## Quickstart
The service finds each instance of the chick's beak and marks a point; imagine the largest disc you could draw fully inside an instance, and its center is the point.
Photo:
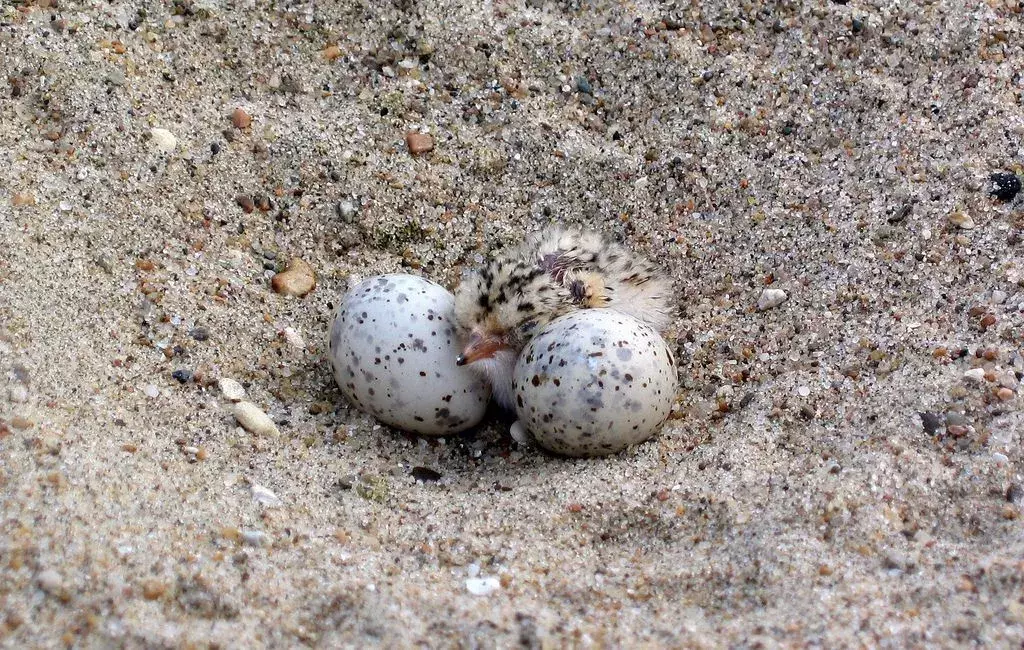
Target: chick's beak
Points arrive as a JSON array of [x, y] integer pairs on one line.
[[480, 346]]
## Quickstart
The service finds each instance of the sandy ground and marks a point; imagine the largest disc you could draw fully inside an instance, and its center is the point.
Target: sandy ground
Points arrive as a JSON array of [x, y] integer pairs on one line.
[[839, 152]]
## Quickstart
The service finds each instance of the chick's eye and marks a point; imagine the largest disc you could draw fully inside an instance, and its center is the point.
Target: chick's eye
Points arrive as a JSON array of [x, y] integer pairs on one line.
[[527, 326]]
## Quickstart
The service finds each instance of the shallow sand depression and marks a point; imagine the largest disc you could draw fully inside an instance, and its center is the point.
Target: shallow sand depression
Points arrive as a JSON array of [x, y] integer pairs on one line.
[[842, 466]]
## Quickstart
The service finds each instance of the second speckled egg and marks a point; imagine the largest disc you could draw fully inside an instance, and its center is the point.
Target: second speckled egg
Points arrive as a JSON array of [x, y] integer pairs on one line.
[[593, 382]]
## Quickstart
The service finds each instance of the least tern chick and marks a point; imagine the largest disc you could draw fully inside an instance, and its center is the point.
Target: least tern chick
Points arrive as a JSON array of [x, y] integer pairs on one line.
[[501, 306]]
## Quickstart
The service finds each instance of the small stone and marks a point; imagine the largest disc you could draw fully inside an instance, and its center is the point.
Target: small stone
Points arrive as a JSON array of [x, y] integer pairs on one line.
[[347, 210], [231, 389], [419, 142], [182, 375], [583, 85], [240, 119], [264, 496], [426, 474], [297, 280], [332, 52], [153, 589], [163, 140], [293, 338], [482, 586], [22, 199], [956, 430], [987, 321], [254, 538], [199, 333], [975, 374], [50, 581], [21, 422], [931, 422], [771, 298], [803, 391], [519, 433], [1005, 185], [998, 297], [1005, 394], [961, 220], [253, 419], [151, 391], [18, 394], [245, 202]]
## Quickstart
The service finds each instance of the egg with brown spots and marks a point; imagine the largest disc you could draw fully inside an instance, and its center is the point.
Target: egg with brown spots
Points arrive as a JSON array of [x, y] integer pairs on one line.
[[393, 346], [593, 382]]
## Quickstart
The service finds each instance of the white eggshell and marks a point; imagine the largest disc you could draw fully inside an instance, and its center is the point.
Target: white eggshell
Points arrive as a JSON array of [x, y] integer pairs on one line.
[[593, 382], [393, 346]]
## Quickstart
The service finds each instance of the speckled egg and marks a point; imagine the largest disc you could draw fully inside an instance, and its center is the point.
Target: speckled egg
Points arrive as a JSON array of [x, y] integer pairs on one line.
[[393, 347], [593, 382]]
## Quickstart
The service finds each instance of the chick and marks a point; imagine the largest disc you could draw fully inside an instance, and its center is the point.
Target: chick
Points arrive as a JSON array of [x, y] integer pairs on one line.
[[501, 306]]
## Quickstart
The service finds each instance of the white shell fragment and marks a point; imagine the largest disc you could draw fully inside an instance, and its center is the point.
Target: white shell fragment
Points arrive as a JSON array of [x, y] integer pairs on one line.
[[253, 419], [393, 347], [593, 382], [163, 140], [231, 389], [482, 586]]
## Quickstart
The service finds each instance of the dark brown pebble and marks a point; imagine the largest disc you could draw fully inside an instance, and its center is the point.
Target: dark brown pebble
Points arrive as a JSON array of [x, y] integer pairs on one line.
[[245, 203]]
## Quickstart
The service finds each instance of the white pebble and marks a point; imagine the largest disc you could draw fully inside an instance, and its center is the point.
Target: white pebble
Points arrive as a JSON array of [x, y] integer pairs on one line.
[[254, 420], [19, 394], [49, 580], [294, 338], [151, 391], [164, 140], [519, 433], [975, 374], [998, 297], [771, 298], [482, 586], [254, 538], [231, 389], [803, 391], [264, 496]]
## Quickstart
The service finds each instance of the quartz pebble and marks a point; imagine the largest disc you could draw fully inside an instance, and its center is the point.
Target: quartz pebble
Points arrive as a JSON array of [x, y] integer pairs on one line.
[[254, 538], [961, 220], [240, 119], [19, 394], [253, 419], [49, 581], [264, 496], [297, 280], [975, 374], [771, 298]]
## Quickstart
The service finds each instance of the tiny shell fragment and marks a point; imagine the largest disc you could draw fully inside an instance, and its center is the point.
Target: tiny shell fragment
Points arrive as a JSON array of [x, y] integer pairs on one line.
[[164, 140], [254, 420], [231, 389]]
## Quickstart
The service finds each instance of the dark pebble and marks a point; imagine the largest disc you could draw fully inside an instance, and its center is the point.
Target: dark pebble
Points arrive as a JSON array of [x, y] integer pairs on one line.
[[931, 422], [246, 203], [199, 333], [183, 375], [263, 202], [1014, 493], [426, 474], [857, 26], [1005, 185], [583, 85], [215, 148]]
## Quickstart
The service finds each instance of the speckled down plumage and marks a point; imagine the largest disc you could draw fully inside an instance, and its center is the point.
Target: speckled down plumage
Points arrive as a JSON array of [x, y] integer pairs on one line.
[[393, 348], [594, 382]]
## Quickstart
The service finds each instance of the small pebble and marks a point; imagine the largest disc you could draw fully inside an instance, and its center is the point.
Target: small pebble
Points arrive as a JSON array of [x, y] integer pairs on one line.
[[18, 394], [240, 119], [255, 538], [151, 391], [931, 422], [21, 422], [803, 391], [253, 419], [1004, 394], [1005, 185], [975, 375], [419, 142], [426, 474], [347, 210], [199, 333], [961, 220], [297, 280], [998, 297], [771, 298], [164, 140], [482, 586], [231, 389], [264, 496], [22, 199], [49, 581], [182, 375], [245, 202], [293, 338]]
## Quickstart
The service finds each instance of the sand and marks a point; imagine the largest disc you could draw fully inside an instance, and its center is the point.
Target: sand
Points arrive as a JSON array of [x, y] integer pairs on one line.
[[837, 152]]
